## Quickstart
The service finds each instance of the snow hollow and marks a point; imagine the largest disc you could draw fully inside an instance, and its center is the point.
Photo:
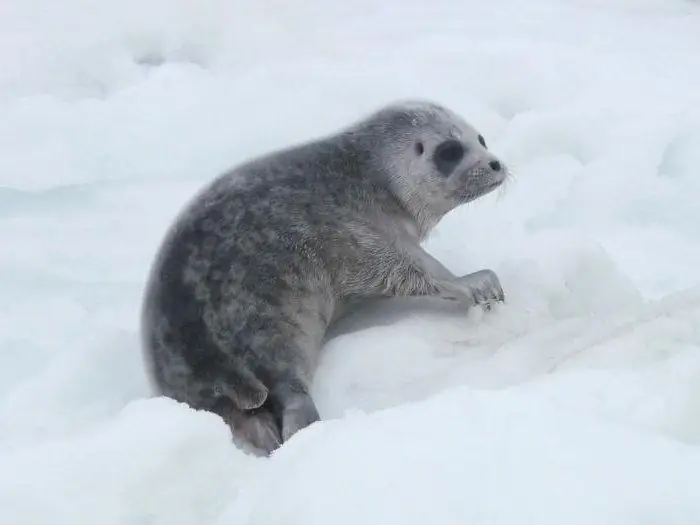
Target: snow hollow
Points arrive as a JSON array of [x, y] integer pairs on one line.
[[578, 402]]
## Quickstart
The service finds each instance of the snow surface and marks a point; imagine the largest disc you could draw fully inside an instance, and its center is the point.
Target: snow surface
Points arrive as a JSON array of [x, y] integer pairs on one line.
[[578, 402]]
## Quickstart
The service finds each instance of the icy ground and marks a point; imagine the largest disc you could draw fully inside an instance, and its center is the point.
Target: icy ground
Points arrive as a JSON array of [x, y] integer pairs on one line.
[[577, 403]]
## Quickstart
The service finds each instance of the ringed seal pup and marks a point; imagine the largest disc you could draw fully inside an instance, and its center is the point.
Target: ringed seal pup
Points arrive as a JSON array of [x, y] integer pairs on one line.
[[267, 255]]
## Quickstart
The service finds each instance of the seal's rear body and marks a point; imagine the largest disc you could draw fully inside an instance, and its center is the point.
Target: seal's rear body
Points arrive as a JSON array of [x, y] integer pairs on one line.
[[245, 285]]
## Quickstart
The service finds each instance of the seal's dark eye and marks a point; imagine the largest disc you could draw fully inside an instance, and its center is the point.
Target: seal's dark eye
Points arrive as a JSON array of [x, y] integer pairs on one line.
[[482, 141], [448, 155], [419, 148]]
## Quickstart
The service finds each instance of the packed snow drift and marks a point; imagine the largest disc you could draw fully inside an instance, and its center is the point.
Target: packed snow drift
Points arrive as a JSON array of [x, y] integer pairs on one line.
[[578, 401]]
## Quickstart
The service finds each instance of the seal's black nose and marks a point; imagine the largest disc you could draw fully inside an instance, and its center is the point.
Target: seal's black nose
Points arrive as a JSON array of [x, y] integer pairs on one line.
[[495, 165]]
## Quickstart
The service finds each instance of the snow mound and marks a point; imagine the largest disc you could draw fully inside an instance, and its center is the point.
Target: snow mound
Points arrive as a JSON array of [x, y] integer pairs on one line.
[[156, 462], [473, 457]]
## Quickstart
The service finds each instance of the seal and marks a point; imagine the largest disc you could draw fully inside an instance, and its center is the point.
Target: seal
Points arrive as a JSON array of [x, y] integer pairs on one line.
[[266, 256]]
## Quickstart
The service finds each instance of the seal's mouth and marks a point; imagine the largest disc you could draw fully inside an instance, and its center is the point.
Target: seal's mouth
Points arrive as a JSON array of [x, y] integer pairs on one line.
[[490, 187], [493, 185], [479, 183]]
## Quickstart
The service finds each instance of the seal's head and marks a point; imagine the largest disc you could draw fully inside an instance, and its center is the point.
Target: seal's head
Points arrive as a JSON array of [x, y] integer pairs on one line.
[[435, 161]]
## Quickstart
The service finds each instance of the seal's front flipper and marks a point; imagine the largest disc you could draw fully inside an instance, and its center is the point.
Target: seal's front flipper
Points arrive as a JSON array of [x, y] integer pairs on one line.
[[484, 286], [417, 273]]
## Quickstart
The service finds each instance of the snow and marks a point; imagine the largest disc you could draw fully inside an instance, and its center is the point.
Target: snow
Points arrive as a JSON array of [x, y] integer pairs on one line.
[[576, 402]]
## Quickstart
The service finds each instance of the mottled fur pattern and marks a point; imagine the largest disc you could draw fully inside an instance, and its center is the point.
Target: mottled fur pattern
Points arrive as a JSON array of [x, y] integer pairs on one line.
[[265, 257]]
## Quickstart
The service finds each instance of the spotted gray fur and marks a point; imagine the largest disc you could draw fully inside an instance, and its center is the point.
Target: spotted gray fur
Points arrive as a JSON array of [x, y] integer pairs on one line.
[[267, 256]]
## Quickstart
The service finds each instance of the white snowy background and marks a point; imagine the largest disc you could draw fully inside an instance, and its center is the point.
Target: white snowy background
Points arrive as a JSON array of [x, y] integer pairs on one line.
[[576, 403]]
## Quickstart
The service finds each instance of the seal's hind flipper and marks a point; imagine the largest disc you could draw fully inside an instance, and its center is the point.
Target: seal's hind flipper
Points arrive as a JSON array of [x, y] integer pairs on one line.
[[258, 428], [244, 390], [261, 430], [299, 413], [291, 402]]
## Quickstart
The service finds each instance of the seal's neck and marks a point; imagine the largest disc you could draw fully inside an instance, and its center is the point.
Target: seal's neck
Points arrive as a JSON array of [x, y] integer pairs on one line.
[[399, 199], [421, 218]]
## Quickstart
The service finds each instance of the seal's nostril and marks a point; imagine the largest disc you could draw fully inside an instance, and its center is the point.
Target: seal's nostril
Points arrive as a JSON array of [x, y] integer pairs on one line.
[[495, 165]]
